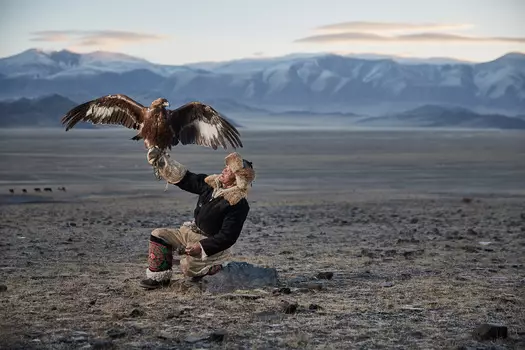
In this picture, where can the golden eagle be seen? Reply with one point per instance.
(193, 122)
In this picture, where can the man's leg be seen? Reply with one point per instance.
(194, 266)
(160, 257)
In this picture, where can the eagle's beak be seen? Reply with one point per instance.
(166, 104)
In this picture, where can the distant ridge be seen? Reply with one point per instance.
(41, 112)
(432, 116)
(316, 83)
(47, 112)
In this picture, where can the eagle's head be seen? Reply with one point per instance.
(160, 103)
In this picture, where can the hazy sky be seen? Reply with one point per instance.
(176, 32)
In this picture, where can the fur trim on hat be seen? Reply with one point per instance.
(233, 194)
(234, 161)
(243, 176)
(243, 179)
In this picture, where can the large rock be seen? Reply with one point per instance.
(241, 275)
(489, 331)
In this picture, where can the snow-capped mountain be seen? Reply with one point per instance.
(37, 63)
(307, 82)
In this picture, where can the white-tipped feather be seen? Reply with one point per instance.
(209, 132)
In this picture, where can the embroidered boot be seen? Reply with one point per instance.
(160, 260)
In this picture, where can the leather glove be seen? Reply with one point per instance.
(155, 156)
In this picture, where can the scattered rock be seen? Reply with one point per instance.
(488, 331)
(215, 336)
(466, 200)
(414, 220)
(416, 334)
(314, 307)
(3, 288)
(268, 316)
(410, 254)
(325, 275)
(289, 308)
(102, 344)
(116, 333)
(387, 284)
(405, 276)
(472, 232)
(283, 290)
(368, 253)
(470, 249)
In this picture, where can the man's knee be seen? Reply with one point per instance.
(160, 233)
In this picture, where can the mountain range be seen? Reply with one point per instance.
(47, 112)
(312, 83)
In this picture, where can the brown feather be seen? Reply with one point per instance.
(110, 109)
(193, 122)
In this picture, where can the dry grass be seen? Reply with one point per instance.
(397, 283)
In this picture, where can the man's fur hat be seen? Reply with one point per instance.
(243, 170)
(244, 176)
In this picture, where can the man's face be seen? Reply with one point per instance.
(227, 176)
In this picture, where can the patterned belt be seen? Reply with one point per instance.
(193, 226)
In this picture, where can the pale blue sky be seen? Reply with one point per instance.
(177, 32)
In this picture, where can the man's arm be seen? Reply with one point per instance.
(229, 232)
(176, 173)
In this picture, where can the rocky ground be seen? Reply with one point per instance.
(420, 272)
(380, 239)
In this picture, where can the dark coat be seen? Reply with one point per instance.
(222, 218)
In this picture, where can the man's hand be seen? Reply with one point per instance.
(194, 249)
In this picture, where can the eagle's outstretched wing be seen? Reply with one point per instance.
(110, 109)
(200, 124)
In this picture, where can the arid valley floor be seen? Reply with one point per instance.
(424, 232)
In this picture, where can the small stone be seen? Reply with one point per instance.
(3, 288)
(488, 331)
(325, 275)
(416, 334)
(414, 220)
(289, 308)
(136, 313)
(72, 224)
(387, 284)
(102, 344)
(471, 231)
(116, 333)
(216, 336)
(283, 290)
(314, 307)
(466, 200)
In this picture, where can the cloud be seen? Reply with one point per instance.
(391, 27)
(354, 37)
(99, 38)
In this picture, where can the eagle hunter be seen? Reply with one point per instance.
(192, 123)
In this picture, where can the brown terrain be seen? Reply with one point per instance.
(381, 240)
